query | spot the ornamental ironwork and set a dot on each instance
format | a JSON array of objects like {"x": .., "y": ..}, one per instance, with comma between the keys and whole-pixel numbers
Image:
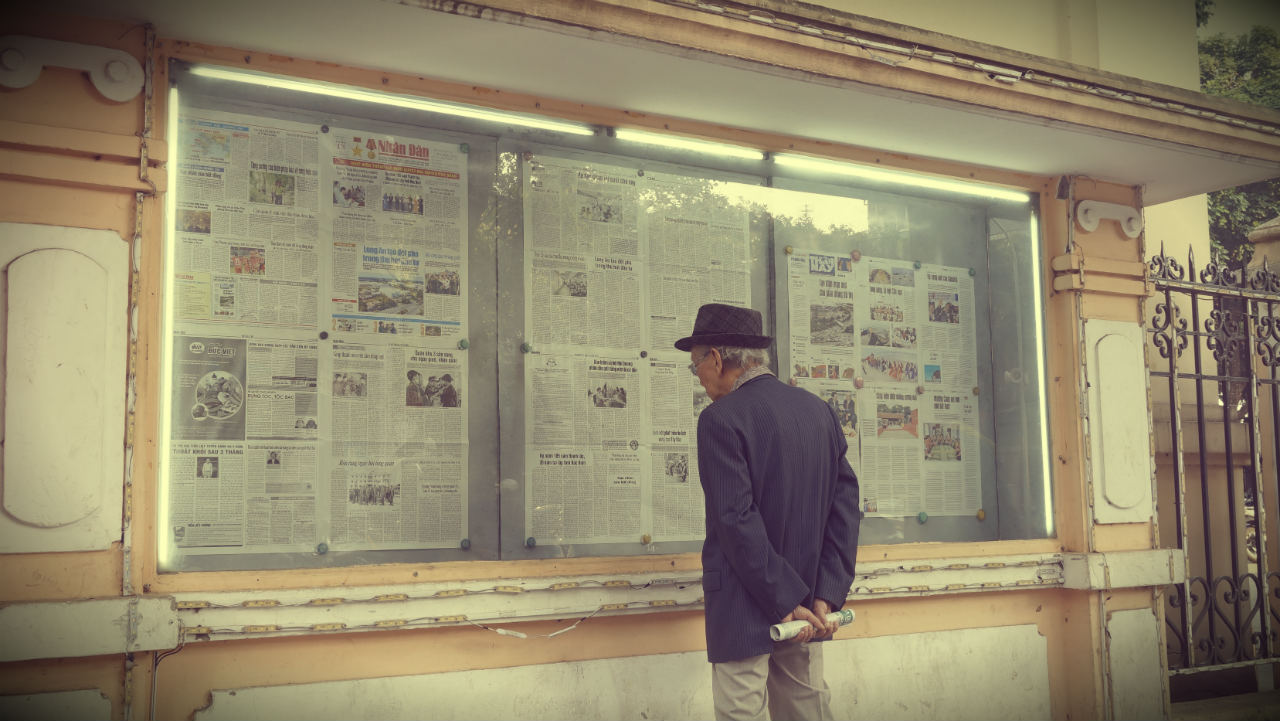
[{"x": 1216, "y": 332}]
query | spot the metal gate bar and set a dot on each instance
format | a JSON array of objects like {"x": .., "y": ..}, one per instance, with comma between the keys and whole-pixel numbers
[{"x": 1234, "y": 611}]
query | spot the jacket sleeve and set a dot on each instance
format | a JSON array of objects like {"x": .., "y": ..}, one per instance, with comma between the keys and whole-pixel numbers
[
  {"x": 772, "y": 582},
  {"x": 840, "y": 539}
]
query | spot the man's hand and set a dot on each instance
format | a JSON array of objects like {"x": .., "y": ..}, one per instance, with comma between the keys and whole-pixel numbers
[
  {"x": 822, "y": 609},
  {"x": 816, "y": 626}
]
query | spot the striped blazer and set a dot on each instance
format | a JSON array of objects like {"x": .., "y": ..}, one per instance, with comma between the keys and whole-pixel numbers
[{"x": 782, "y": 512}]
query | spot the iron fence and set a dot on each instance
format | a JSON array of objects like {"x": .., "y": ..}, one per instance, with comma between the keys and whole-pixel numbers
[{"x": 1217, "y": 334}]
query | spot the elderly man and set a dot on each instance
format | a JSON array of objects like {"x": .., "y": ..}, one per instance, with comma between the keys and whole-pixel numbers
[{"x": 782, "y": 521}]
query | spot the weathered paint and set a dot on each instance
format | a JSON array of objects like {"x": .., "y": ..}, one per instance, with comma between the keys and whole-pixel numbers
[
  {"x": 1119, "y": 427},
  {"x": 61, "y": 117},
  {"x": 951, "y": 674}
]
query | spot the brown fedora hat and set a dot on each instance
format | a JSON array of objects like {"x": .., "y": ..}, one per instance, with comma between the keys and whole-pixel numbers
[{"x": 728, "y": 325}]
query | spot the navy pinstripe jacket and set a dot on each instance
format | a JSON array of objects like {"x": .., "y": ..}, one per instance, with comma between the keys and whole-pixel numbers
[{"x": 782, "y": 512}]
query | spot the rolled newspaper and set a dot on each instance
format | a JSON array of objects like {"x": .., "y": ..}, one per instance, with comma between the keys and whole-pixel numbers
[{"x": 790, "y": 629}]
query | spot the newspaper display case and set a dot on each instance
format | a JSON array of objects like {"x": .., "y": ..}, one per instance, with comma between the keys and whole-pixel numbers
[{"x": 401, "y": 334}]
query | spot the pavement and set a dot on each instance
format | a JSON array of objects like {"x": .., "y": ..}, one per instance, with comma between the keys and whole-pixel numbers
[{"x": 1264, "y": 706}]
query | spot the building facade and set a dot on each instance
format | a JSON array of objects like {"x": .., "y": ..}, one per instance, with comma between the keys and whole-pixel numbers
[{"x": 187, "y": 537}]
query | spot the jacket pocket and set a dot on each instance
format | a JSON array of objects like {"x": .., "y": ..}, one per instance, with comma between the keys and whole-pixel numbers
[{"x": 711, "y": 581}]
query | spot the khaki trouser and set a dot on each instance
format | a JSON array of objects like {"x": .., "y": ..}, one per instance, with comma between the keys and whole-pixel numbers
[{"x": 786, "y": 685}]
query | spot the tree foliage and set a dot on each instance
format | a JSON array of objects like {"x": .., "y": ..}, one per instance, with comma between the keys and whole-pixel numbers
[{"x": 1246, "y": 68}]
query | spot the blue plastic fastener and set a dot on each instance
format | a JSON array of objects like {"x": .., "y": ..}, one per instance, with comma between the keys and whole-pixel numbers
[{"x": 322, "y": 548}]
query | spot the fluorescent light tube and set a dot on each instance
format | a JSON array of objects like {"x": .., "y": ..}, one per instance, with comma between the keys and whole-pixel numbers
[
  {"x": 1042, "y": 386},
  {"x": 400, "y": 101},
  {"x": 165, "y": 480},
  {"x": 679, "y": 143},
  {"x": 900, "y": 177}
]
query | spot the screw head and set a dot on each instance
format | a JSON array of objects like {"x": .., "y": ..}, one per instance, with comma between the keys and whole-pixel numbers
[
  {"x": 465, "y": 544},
  {"x": 12, "y": 59},
  {"x": 463, "y": 344},
  {"x": 322, "y": 548},
  {"x": 530, "y": 542},
  {"x": 116, "y": 71}
]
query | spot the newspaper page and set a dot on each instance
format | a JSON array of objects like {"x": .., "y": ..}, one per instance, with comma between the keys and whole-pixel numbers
[
  {"x": 398, "y": 216},
  {"x": 246, "y": 221},
  {"x": 947, "y": 331},
  {"x": 871, "y": 336},
  {"x": 241, "y": 476},
  {"x": 584, "y": 278},
  {"x": 948, "y": 433},
  {"x": 892, "y": 482},
  {"x": 584, "y": 424},
  {"x": 824, "y": 324},
  {"x": 257, "y": 462},
  {"x": 677, "y": 398},
  {"x": 699, "y": 247},
  {"x": 398, "y": 469}
]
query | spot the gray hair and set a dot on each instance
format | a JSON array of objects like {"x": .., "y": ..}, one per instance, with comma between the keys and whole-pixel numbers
[{"x": 736, "y": 357}]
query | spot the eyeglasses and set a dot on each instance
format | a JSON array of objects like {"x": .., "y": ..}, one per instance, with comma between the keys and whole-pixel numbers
[{"x": 693, "y": 367}]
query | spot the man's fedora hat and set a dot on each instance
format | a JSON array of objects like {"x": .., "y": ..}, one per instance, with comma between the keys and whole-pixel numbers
[{"x": 727, "y": 325}]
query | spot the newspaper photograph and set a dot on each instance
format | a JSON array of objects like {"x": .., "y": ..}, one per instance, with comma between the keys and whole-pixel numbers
[
  {"x": 246, "y": 220},
  {"x": 398, "y": 221}
]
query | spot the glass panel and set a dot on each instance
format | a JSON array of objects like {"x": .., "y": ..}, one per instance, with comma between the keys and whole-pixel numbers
[{"x": 520, "y": 289}]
